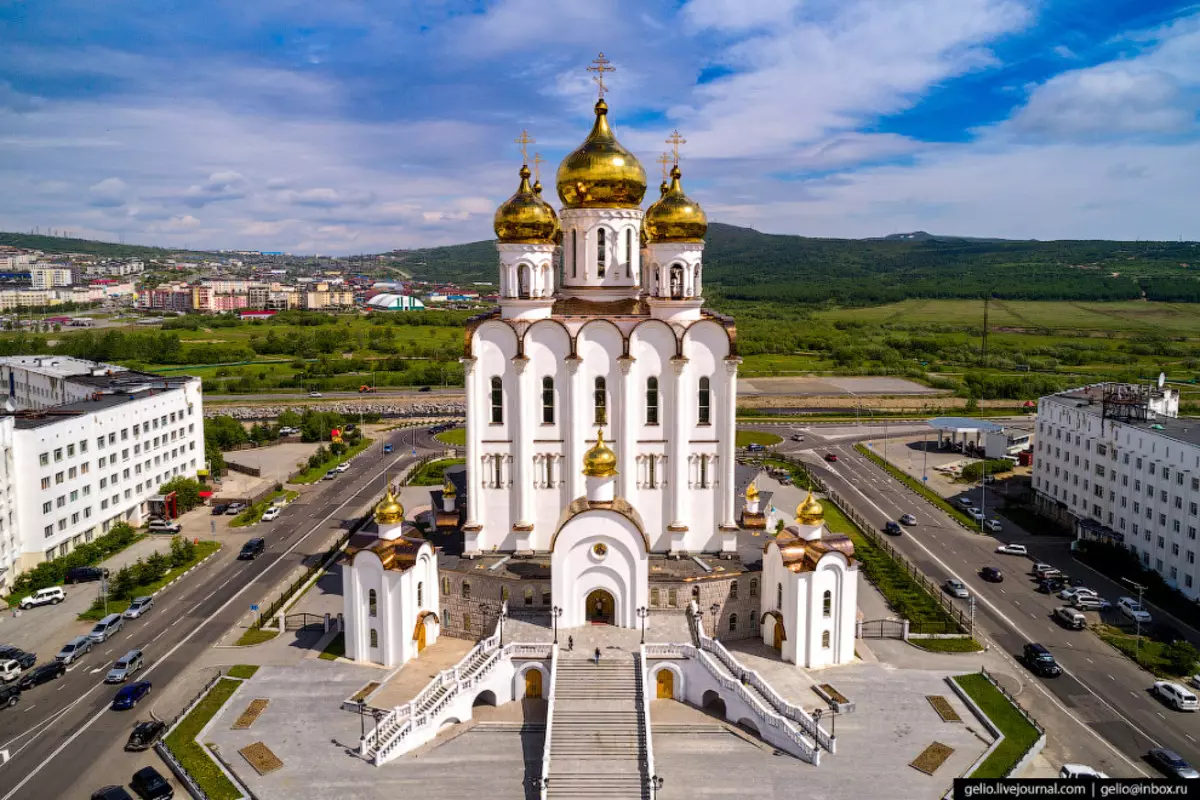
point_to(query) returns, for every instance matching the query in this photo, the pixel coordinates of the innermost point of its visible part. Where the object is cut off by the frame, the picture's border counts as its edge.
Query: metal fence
(883, 629)
(165, 753)
(268, 613)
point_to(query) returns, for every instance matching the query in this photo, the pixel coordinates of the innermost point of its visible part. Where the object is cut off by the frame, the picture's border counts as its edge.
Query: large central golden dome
(675, 217)
(601, 173)
(525, 217)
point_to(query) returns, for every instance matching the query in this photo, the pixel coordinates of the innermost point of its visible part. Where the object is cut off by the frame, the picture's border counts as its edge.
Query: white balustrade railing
(662, 651)
(549, 721)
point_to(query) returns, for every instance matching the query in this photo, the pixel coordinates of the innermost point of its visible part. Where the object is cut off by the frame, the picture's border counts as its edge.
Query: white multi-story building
(1114, 461)
(45, 381)
(49, 277)
(74, 469)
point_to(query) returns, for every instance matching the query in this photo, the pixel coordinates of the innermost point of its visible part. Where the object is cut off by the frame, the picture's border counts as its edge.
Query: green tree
(289, 419)
(187, 492)
(182, 551)
(157, 565)
(122, 586)
(224, 432)
(1181, 656)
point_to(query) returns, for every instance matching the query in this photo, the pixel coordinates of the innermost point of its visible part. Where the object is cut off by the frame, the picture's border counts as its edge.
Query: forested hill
(742, 263)
(63, 244)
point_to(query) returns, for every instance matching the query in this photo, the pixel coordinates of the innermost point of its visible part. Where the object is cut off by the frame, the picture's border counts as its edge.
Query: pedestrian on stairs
(570, 642)
(597, 656)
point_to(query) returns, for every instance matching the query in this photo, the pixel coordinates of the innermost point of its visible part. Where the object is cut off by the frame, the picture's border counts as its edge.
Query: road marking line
(1111, 678)
(31, 708)
(1189, 736)
(1089, 660)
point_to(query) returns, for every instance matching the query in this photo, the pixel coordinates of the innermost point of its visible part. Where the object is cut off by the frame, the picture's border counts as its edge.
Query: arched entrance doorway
(666, 684)
(533, 684)
(599, 605)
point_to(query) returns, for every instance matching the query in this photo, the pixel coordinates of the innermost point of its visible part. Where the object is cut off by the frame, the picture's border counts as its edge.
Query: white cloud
(738, 15)
(109, 193)
(224, 185)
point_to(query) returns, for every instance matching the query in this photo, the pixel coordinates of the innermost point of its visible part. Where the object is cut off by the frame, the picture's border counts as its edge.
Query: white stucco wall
(576, 569)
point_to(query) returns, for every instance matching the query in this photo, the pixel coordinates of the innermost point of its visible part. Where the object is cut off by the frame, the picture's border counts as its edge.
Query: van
(1071, 618)
(106, 628)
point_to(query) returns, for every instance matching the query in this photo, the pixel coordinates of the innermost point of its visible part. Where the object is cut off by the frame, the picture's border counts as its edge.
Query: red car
(831, 457)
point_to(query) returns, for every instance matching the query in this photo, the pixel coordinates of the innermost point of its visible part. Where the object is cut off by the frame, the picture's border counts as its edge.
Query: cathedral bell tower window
(628, 253)
(574, 254)
(704, 415)
(652, 401)
(601, 403)
(372, 603)
(497, 401)
(601, 264)
(827, 604)
(547, 401)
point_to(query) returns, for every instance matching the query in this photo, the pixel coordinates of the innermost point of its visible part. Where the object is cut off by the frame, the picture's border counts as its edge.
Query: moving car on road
(955, 589)
(150, 785)
(1175, 695)
(797, 437)
(991, 575)
(1013, 549)
(43, 674)
(271, 514)
(1071, 618)
(755, 447)
(1040, 661)
(387, 448)
(130, 695)
(252, 549)
(831, 457)
(908, 519)
(126, 665)
(139, 606)
(74, 650)
(1079, 771)
(315, 394)
(1171, 763)
(892, 528)
(52, 595)
(144, 735)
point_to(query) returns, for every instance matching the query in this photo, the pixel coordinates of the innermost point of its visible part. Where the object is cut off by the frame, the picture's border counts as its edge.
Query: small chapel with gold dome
(601, 482)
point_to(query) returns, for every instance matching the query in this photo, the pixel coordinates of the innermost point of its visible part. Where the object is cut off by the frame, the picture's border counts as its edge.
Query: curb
(189, 571)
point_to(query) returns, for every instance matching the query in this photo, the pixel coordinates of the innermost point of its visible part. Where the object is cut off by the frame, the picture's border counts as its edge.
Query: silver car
(139, 606)
(128, 664)
(956, 589)
(74, 650)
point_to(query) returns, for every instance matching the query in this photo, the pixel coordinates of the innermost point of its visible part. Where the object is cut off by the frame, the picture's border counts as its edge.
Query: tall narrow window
(574, 254)
(503, 594)
(652, 401)
(528, 595)
(779, 595)
(704, 416)
(372, 603)
(827, 604)
(445, 585)
(754, 587)
(600, 248)
(374, 638)
(497, 401)
(651, 472)
(703, 472)
(601, 403)
(420, 594)
(466, 590)
(497, 471)
(733, 591)
(628, 253)
(732, 623)
(825, 639)
(547, 401)
(549, 462)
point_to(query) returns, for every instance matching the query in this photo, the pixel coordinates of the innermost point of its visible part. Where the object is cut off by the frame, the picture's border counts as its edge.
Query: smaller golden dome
(600, 461)
(389, 511)
(675, 217)
(751, 493)
(525, 218)
(810, 512)
(448, 489)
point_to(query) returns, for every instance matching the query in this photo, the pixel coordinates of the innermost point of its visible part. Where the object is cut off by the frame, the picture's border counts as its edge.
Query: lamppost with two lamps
(555, 613)
(715, 608)
(642, 613)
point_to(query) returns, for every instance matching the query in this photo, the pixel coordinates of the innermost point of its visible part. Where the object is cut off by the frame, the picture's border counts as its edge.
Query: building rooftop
(1088, 399)
(59, 366)
(102, 401)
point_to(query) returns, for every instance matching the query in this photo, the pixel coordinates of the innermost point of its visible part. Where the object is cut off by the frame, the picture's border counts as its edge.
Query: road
(382, 394)
(1100, 687)
(59, 729)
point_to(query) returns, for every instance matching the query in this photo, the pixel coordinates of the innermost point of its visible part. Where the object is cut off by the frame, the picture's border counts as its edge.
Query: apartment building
(1116, 463)
(47, 277)
(167, 298)
(27, 298)
(48, 381)
(322, 296)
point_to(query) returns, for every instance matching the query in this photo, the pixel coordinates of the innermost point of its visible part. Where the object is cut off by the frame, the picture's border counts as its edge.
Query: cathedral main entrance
(599, 606)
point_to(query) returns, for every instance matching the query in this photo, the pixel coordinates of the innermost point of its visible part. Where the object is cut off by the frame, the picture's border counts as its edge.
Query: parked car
(908, 519)
(1171, 763)
(831, 457)
(10, 695)
(9, 670)
(74, 650)
(43, 674)
(129, 696)
(219, 509)
(1175, 695)
(85, 574)
(754, 447)
(1040, 661)
(1071, 592)
(991, 575)
(106, 628)
(26, 660)
(1091, 602)
(333, 473)
(125, 667)
(1013, 549)
(1071, 618)
(955, 588)
(271, 514)
(976, 514)
(1042, 571)
(252, 549)
(1133, 610)
(1079, 771)
(966, 502)
(139, 606)
(342, 467)
(144, 735)
(234, 509)
(149, 784)
(993, 525)
(1194, 681)
(52, 595)
(892, 528)
(163, 526)
(112, 793)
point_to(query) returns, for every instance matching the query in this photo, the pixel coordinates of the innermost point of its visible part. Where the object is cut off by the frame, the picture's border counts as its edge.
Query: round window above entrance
(599, 551)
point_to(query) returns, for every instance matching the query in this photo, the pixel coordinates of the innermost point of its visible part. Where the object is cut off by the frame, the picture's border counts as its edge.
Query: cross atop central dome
(601, 173)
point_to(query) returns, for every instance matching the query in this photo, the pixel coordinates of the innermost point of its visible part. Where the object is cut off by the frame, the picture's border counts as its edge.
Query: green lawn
(1150, 653)
(335, 649)
(959, 644)
(455, 437)
(252, 636)
(314, 474)
(433, 473)
(254, 513)
(192, 755)
(744, 438)
(99, 609)
(1019, 735)
(244, 671)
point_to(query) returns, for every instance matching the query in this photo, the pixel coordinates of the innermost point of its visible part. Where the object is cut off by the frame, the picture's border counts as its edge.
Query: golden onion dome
(600, 461)
(526, 218)
(751, 493)
(810, 512)
(389, 511)
(449, 489)
(601, 173)
(675, 217)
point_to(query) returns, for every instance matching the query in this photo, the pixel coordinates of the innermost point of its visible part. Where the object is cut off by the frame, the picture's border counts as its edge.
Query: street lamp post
(362, 723)
(1137, 621)
(642, 613)
(715, 609)
(656, 783)
(555, 613)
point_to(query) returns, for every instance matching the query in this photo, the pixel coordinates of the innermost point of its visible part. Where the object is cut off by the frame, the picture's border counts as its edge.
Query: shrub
(1182, 656)
(182, 551)
(53, 572)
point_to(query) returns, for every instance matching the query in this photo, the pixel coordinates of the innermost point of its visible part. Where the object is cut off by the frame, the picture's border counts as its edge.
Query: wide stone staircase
(597, 749)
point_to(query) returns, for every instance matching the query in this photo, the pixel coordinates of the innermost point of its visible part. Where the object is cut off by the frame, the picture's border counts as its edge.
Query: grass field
(744, 438)
(192, 755)
(433, 473)
(1019, 735)
(455, 437)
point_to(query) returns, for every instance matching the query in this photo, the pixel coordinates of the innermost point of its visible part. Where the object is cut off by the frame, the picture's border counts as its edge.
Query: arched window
(601, 403)
(523, 279)
(574, 254)
(372, 603)
(528, 595)
(374, 638)
(754, 587)
(704, 399)
(733, 591)
(732, 623)
(655, 597)
(696, 592)
(420, 594)
(779, 596)
(545, 595)
(676, 281)
(825, 639)
(673, 597)
(827, 604)
(466, 590)
(504, 594)
(497, 401)
(656, 287)
(601, 266)
(652, 401)
(446, 617)
(628, 252)
(445, 586)
(547, 401)
(466, 622)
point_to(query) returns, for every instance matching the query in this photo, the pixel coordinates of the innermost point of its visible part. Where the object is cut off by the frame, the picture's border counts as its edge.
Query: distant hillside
(60, 244)
(741, 263)
(922, 236)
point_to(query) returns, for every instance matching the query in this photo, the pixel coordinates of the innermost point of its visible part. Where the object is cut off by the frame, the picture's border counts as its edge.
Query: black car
(1040, 661)
(145, 734)
(219, 509)
(112, 793)
(43, 674)
(26, 660)
(991, 575)
(85, 574)
(1050, 586)
(252, 549)
(149, 784)
(10, 695)
(892, 528)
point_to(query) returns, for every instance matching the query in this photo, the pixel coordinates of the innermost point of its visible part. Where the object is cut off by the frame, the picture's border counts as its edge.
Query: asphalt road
(1101, 688)
(61, 728)
(382, 394)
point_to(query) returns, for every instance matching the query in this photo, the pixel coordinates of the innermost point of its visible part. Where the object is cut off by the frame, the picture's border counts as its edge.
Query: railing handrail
(645, 716)
(549, 721)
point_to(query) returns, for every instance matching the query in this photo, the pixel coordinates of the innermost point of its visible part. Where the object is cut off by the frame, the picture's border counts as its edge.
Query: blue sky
(362, 125)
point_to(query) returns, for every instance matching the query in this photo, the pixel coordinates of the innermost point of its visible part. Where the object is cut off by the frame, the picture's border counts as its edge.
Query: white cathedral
(600, 478)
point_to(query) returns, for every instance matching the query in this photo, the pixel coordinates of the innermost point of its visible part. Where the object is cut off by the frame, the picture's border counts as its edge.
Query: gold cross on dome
(524, 140)
(675, 140)
(602, 66)
(537, 166)
(664, 159)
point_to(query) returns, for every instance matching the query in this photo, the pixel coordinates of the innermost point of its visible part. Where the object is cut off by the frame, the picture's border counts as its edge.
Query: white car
(1013, 549)
(955, 589)
(1133, 611)
(315, 394)
(342, 467)
(1176, 696)
(1090, 602)
(1069, 771)
(271, 514)
(966, 502)
(994, 526)
(1071, 592)
(52, 595)
(9, 671)
(976, 515)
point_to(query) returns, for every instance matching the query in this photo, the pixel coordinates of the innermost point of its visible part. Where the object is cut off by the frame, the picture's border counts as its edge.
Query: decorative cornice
(625, 363)
(678, 363)
(520, 362)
